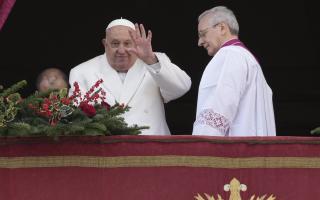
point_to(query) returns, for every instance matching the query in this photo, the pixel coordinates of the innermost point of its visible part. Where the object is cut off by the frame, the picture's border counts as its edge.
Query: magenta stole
(237, 42)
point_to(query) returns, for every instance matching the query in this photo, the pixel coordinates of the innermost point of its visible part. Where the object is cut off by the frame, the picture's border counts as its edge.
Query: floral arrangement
(53, 113)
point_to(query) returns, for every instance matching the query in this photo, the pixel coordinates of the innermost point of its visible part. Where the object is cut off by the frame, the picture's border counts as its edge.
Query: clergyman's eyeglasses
(202, 33)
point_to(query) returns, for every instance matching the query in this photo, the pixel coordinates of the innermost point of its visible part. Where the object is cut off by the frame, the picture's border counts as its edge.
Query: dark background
(282, 35)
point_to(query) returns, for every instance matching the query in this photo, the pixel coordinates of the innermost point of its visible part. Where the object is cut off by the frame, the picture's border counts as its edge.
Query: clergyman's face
(209, 36)
(116, 44)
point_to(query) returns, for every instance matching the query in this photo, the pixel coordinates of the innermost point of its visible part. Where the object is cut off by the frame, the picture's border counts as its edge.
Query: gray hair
(222, 14)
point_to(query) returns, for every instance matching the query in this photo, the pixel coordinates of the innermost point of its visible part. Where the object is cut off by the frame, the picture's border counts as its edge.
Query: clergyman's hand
(142, 45)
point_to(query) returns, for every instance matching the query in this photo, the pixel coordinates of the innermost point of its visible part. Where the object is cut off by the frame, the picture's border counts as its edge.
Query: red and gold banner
(158, 168)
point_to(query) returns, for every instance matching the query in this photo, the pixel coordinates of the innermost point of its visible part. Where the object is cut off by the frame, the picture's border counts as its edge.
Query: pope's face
(209, 36)
(116, 45)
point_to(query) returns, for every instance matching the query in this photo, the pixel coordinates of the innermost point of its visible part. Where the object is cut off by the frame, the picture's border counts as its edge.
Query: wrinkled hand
(142, 45)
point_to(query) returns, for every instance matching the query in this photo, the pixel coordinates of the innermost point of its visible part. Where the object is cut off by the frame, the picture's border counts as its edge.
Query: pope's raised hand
(142, 45)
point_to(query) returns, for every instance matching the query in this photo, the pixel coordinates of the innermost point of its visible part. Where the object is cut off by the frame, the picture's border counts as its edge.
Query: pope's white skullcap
(121, 22)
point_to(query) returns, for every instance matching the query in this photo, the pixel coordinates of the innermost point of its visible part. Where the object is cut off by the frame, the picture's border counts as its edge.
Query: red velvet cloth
(5, 8)
(159, 181)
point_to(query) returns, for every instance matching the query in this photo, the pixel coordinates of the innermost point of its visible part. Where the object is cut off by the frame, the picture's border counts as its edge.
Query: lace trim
(213, 119)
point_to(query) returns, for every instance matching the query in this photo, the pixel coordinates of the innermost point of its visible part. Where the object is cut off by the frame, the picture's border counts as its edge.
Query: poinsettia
(54, 107)
(88, 109)
(58, 105)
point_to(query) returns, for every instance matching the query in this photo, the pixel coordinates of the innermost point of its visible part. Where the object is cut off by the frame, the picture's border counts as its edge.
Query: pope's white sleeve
(75, 76)
(172, 81)
(72, 79)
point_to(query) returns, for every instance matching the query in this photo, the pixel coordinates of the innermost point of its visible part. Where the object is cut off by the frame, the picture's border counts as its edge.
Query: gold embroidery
(234, 187)
(159, 161)
(199, 197)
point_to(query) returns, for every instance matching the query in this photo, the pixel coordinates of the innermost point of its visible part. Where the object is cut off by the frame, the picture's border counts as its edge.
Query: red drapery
(5, 8)
(169, 167)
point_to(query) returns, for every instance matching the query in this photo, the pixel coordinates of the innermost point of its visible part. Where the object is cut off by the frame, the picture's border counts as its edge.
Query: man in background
(51, 78)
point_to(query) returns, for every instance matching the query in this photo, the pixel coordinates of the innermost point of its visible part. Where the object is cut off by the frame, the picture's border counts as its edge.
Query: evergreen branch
(14, 88)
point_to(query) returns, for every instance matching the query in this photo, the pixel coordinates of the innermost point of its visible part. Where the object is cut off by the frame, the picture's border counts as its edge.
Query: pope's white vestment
(145, 88)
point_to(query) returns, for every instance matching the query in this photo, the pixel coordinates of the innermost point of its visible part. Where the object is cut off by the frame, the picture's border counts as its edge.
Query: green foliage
(315, 131)
(28, 117)
(9, 100)
(13, 89)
